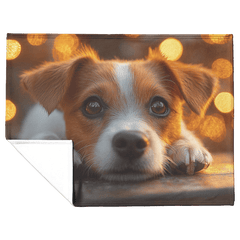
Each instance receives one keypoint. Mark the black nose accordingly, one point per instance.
(130, 144)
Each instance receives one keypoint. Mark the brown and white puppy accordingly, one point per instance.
(124, 117)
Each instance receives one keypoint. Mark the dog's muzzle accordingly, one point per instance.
(130, 145)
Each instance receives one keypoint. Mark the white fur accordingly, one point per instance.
(188, 150)
(130, 118)
(39, 125)
(124, 78)
(106, 159)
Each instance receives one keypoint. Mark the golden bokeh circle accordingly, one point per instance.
(220, 38)
(37, 39)
(222, 68)
(207, 39)
(216, 38)
(13, 49)
(171, 48)
(10, 110)
(213, 127)
(66, 42)
(224, 102)
(65, 45)
(132, 35)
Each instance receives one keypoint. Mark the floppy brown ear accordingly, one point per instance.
(48, 83)
(197, 84)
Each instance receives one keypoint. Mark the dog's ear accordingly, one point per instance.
(48, 83)
(198, 85)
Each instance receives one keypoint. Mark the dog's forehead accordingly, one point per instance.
(124, 78)
(131, 82)
(139, 81)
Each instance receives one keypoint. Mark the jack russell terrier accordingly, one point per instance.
(124, 117)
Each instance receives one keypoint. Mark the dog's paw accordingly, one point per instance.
(189, 158)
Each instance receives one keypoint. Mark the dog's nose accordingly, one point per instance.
(130, 144)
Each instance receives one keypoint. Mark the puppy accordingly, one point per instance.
(124, 117)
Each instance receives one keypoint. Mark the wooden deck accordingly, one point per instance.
(212, 186)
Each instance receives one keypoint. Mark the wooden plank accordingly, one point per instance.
(213, 186)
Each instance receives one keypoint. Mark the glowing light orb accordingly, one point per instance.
(171, 48)
(216, 38)
(224, 102)
(10, 110)
(37, 39)
(213, 127)
(13, 49)
(66, 42)
(64, 46)
(220, 38)
(222, 68)
(132, 35)
(207, 39)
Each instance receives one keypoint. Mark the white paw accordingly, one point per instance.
(189, 157)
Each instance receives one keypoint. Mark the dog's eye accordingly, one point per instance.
(159, 107)
(93, 107)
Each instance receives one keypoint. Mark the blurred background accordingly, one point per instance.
(27, 51)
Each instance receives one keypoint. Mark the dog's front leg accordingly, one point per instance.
(188, 153)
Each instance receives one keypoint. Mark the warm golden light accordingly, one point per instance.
(193, 121)
(132, 35)
(220, 168)
(10, 110)
(216, 38)
(207, 39)
(66, 42)
(171, 48)
(37, 39)
(224, 102)
(222, 68)
(13, 49)
(64, 46)
(220, 38)
(213, 127)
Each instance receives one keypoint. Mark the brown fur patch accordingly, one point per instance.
(150, 81)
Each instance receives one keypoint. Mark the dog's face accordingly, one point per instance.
(121, 115)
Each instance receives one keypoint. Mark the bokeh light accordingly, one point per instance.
(13, 49)
(213, 127)
(224, 102)
(216, 38)
(222, 68)
(10, 110)
(220, 38)
(132, 35)
(207, 39)
(171, 48)
(37, 39)
(65, 46)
